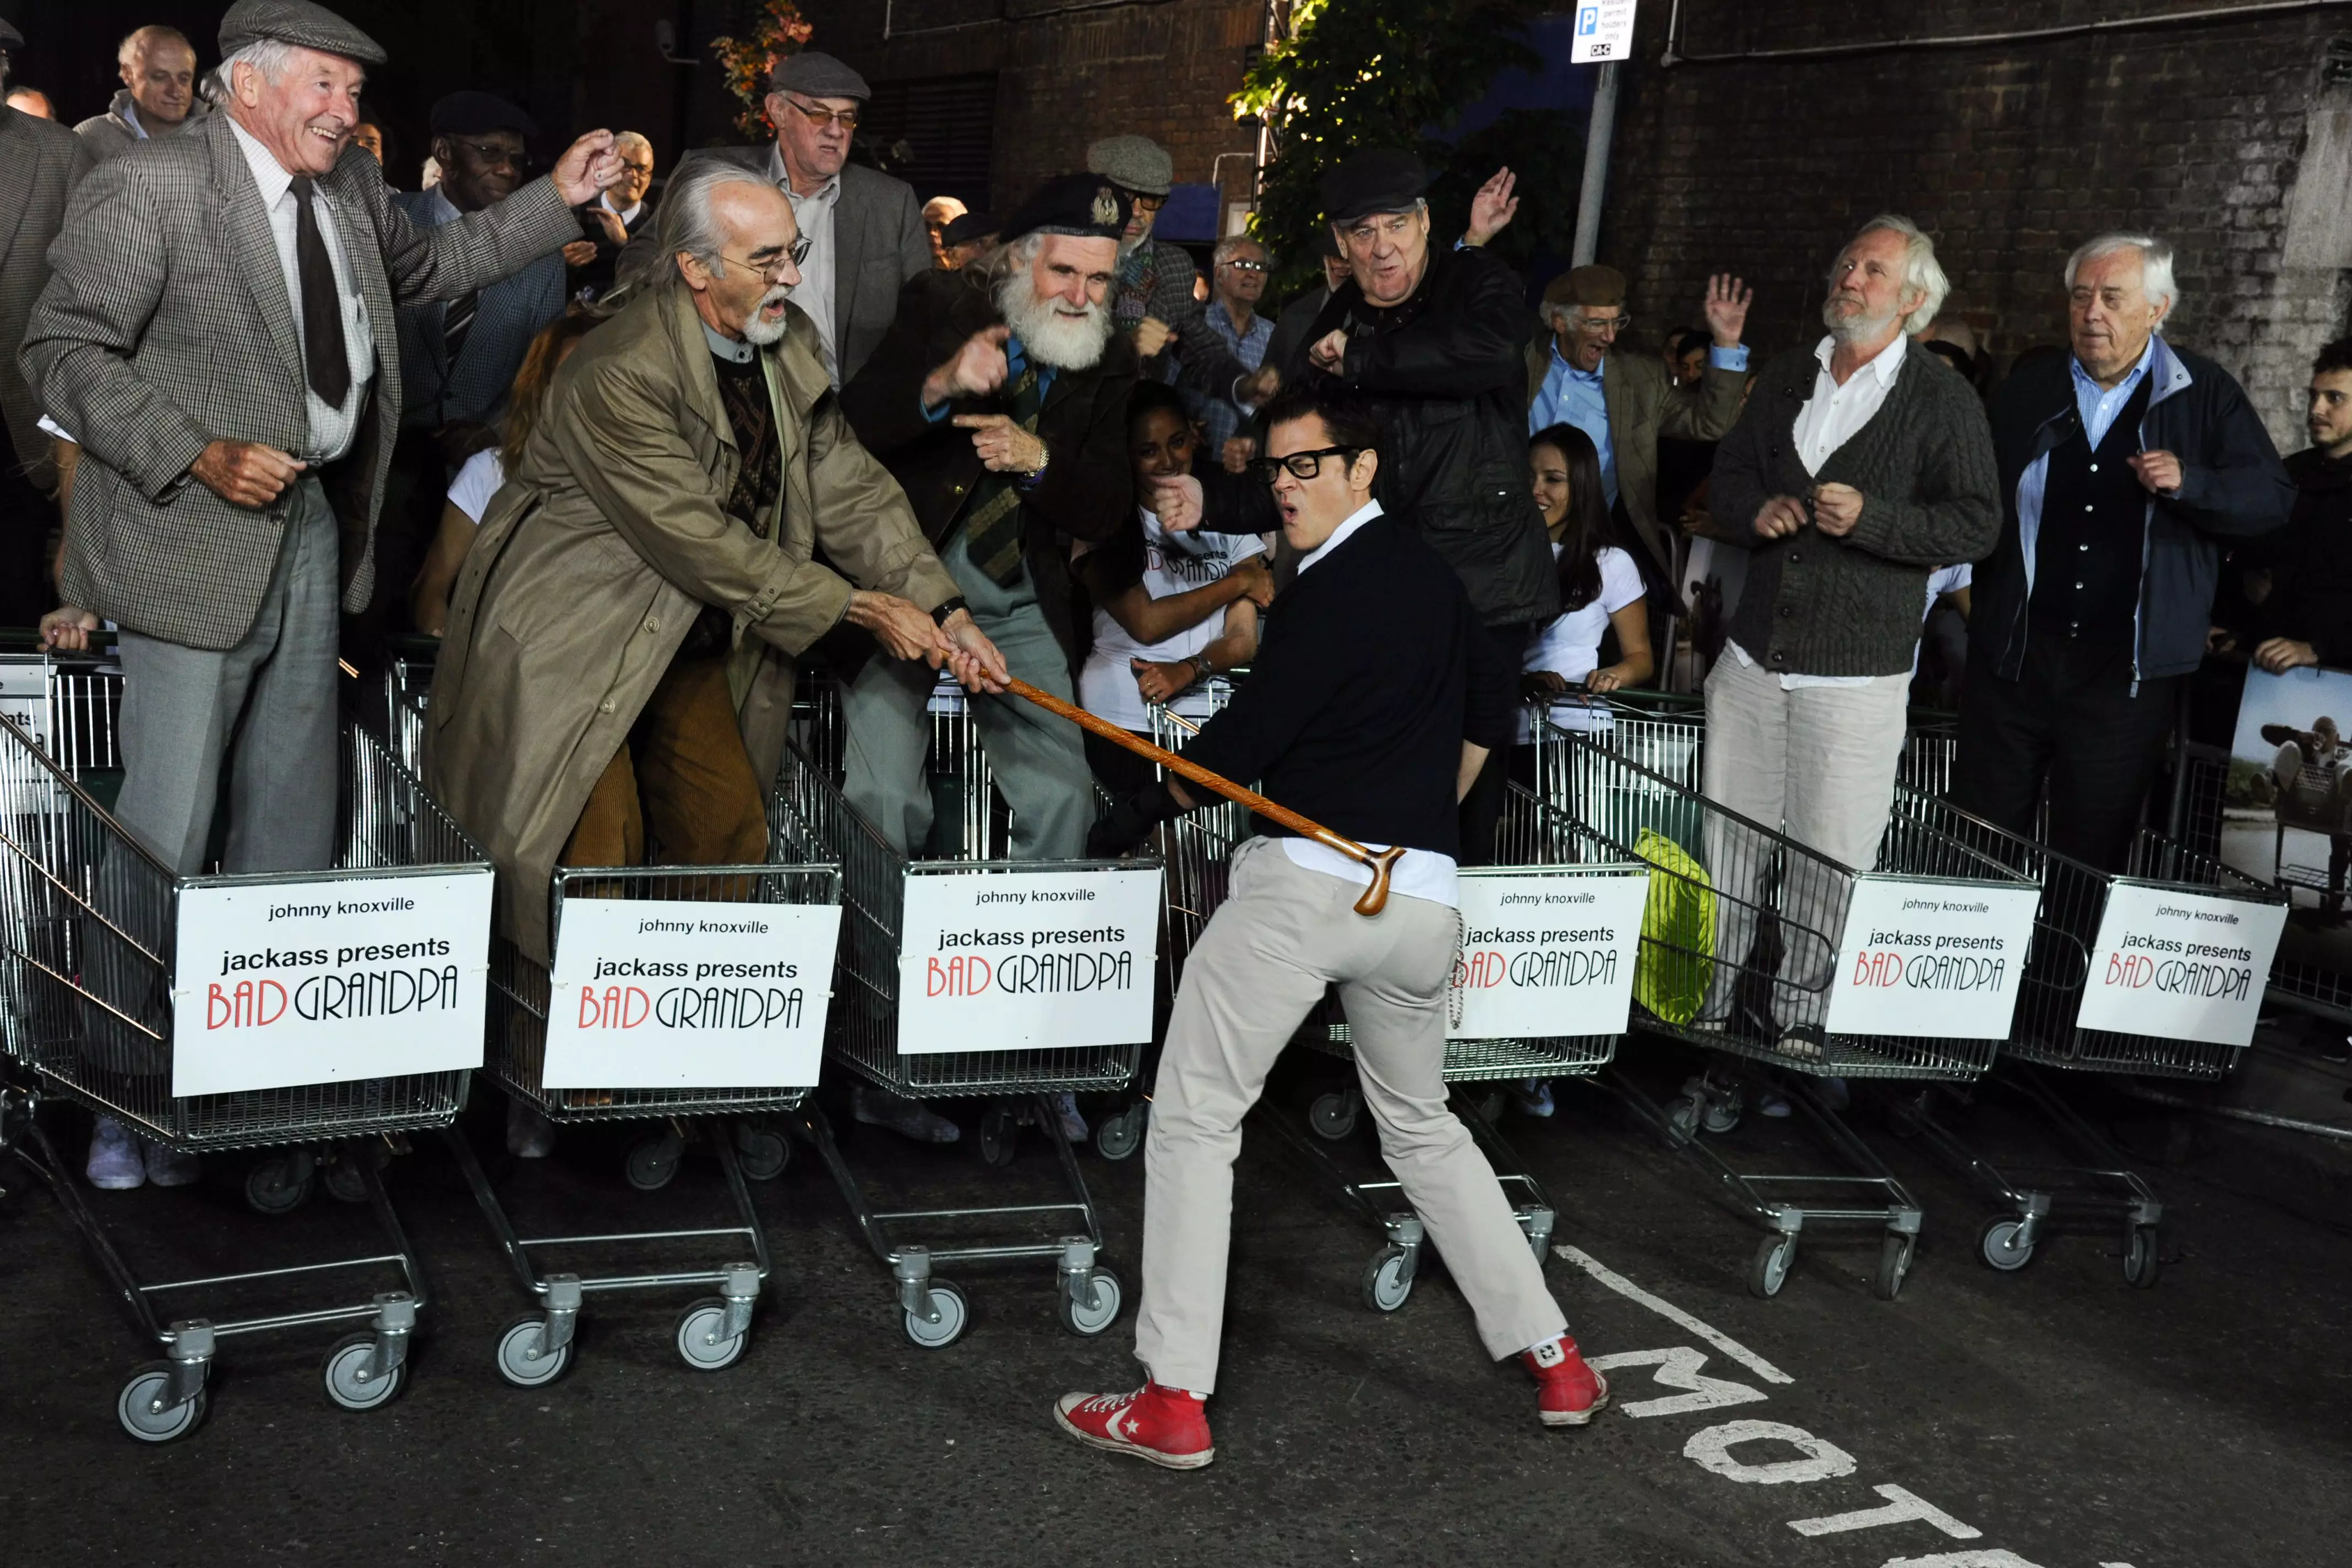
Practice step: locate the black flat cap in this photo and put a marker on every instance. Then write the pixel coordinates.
(1086, 205)
(9, 38)
(817, 74)
(969, 227)
(471, 114)
(296, 22)
(1375, 180)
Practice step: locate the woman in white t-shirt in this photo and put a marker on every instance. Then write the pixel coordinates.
(1171, 609)
(481, 475)
(1600, 587)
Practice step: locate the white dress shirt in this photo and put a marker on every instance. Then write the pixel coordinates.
(1830, 418)
(605, 200)
(332, 430)
(1419, 873)
(814, 292)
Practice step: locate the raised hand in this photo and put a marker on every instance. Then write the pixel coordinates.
(1493, 208)
(587, 167)
(979, 368)
(1726, 309)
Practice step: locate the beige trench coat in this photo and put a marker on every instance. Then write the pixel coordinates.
(593, 562)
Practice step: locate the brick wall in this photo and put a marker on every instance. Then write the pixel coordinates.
(2009, 154)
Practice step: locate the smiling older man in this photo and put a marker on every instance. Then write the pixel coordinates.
(158, 96)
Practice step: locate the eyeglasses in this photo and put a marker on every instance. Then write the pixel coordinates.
(1302, 465)
(1144, 203)
(1238, 265)
(772, 269)
(824, 117)
(492, 154)
(1604, 324)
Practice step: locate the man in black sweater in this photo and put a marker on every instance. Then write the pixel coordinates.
(1375, 700)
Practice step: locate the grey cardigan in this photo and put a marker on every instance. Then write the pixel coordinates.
(1924, 464)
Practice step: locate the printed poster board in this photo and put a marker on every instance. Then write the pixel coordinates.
(996, 961)
(1932, 960)
(2180, 965)
(1548, 953)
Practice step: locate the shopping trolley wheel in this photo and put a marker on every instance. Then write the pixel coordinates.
(1683, 1115)
(652, 1163)
(278, 1184)
(346, 1375)
(1000, 1135)
(1721, 1115)
(700, 1336)
(2141, 1263)
(1087, 1321)
(1769, 1270)
(762, 1151)
(1333, 1115)
(949, 1303)
(345, 1179)
(1894, 1255)
(135, 1406)
(519, 1361)
(1388, 1281)
(2002, 1246)
(1119, 1136)
(1490, 1106)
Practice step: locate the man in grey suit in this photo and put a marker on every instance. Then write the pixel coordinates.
(40, 164)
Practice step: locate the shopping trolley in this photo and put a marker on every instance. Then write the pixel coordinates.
(1744, 972)
(93, 950)
(863, 1037)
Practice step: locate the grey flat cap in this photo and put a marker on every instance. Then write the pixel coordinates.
(817, 75)
(296, 22)
(9, 38)
(1135, 162)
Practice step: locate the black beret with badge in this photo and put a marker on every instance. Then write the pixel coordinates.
(1087, 205)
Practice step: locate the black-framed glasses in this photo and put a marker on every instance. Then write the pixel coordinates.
(1302, 465)
(1143, 203)
(822, 117)
(794, 254)
(492, 154)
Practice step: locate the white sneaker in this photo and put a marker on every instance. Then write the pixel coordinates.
(1074, 1126)
(168, 1167)
(114, 1164)
(529, 1135)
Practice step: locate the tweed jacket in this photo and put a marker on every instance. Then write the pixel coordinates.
(110, 134)
(1815, 605)
(166, 326)
(593, 562)
(1644, 404)
(509, 313)
(1163, 275)
(40, 164)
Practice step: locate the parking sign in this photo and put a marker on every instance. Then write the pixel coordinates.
(1604, 32)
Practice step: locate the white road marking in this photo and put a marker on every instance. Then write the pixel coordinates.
(1678, 1368)
(1673, 1314)
(1902, 1508)
(1977, 1559)
(1711, 1451)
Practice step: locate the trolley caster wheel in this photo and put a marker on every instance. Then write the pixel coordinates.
(277, 1186)
(2002, 1246)
(954, 1314)
(1087, 1321)
(1119, 1136)
(1684, 1117)
(346, 1375)
(698, 1336)
(1333, 1116)
(2141, 1264)
(1490, 1106)
(1388, 1280)
(343, 1178)
(1905, 1113)
(1000, 1136)
(520, 1362)
(1769, 1270)
(1894, 1255)
(652, 1163)
(763, 1152)
(135, 1406)
(1720, 1116)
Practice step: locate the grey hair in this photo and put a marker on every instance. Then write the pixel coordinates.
(687, 224)
(1920, 269)
(2155, 262)
(1231, 247)
(1013, 256)
(632, 139)
(270, 56)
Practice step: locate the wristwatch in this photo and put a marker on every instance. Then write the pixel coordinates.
(945, 612)
(1202, 668)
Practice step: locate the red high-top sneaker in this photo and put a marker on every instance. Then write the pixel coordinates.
(1164, 1426)
(1567, 1392)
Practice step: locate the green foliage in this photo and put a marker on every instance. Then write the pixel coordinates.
(1396, 73)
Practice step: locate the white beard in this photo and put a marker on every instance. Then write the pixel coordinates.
(1049, 335)
(758, 328)
(1856, 329)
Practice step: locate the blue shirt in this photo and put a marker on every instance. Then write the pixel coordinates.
(1573, 396)
(2098, 404)
(1015, 362)
(1221, 417)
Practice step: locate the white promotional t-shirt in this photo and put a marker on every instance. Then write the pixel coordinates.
(1571, 646)
(477, 482)
(1172, 564)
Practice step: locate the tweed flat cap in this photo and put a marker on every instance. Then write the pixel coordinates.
(1137, 162)
(1598, 288)
(9, 38)
(471, 114)
(1085, 204)
(817, 75)
(1377, 180)
(296, 22)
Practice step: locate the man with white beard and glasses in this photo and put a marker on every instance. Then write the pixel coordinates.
(999, 400)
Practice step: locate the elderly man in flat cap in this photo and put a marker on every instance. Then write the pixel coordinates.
(218, 333)
(999, 400)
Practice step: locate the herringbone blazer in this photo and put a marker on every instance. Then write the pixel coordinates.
(165, 326)
(39, 170)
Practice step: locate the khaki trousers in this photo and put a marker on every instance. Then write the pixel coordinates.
(683, 774)
(1281, 937)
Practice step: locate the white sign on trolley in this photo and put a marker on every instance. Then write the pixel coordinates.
(1604, 32)
(282, 983)
(2179, 965)
(1547, 953)
(661, 993)
(1933, 960)
(996, 961)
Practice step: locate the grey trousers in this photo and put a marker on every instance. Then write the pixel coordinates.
(1283, 934)
(1037, 759)
(1818, 765)
(265, 711)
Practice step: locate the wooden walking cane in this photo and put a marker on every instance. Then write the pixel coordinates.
(1381, 862)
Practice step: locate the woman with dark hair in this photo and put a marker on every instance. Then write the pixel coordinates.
(1600, 587)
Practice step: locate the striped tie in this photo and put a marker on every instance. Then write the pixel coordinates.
(993, 526)
(457, 320)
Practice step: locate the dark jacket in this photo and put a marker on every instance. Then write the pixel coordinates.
(2232, 486)
(1089, 488)
(1444, 374)
(1157, 280)
(40, 164)
(1815, 605)
(508, 314)
(1290, 327)
(2309, 564)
